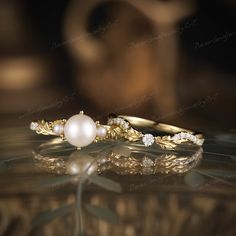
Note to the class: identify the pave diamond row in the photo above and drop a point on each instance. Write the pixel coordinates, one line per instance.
(187, 136)
(118, 121)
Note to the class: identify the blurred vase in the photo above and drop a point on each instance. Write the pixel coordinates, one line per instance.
(122, 65)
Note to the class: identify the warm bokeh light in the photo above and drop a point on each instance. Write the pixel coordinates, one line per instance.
(22, 73)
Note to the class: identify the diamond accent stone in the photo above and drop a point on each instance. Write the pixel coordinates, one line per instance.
(176, 137)
(126, 125)
(189, 137)
(147, 162)
(34, 125)
(148, 140)
(118, 121)
(110, 122)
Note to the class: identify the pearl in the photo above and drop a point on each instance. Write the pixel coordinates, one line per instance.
(80, 130)
(58, 129)
(80, 162)
(101, 131)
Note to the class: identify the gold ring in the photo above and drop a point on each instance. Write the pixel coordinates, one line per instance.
(81, 130)
(165, 135)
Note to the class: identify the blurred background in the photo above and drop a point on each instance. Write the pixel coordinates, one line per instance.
(172, 61)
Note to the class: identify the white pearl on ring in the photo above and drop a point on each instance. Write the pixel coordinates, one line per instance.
(101, 131)
(58, 129)
(80, 130)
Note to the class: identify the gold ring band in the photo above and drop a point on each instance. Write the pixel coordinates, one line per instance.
(80, 130)
(165, 135)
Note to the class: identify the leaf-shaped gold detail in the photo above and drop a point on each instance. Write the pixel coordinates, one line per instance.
(132, 134)
(117, 132)
(165, 142)
(46, 127)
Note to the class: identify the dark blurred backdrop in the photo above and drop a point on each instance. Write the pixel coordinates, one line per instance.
(172, 61)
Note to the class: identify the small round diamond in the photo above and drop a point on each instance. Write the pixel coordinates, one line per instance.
(34, 125)
(148, 140)
(126, 125)
(183, 135)
(122, 122)
(188, 136)
(194, 139)
(110, 122)
(118, 121)
(176, 137)
(147, 162)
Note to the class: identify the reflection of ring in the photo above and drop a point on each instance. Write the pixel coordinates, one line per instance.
(148, 163)
(80, 130)
(121, 159)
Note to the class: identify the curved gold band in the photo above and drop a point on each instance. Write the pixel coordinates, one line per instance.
(165, 135)
(158, 126)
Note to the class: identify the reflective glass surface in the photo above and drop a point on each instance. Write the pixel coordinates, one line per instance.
(50, 188)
